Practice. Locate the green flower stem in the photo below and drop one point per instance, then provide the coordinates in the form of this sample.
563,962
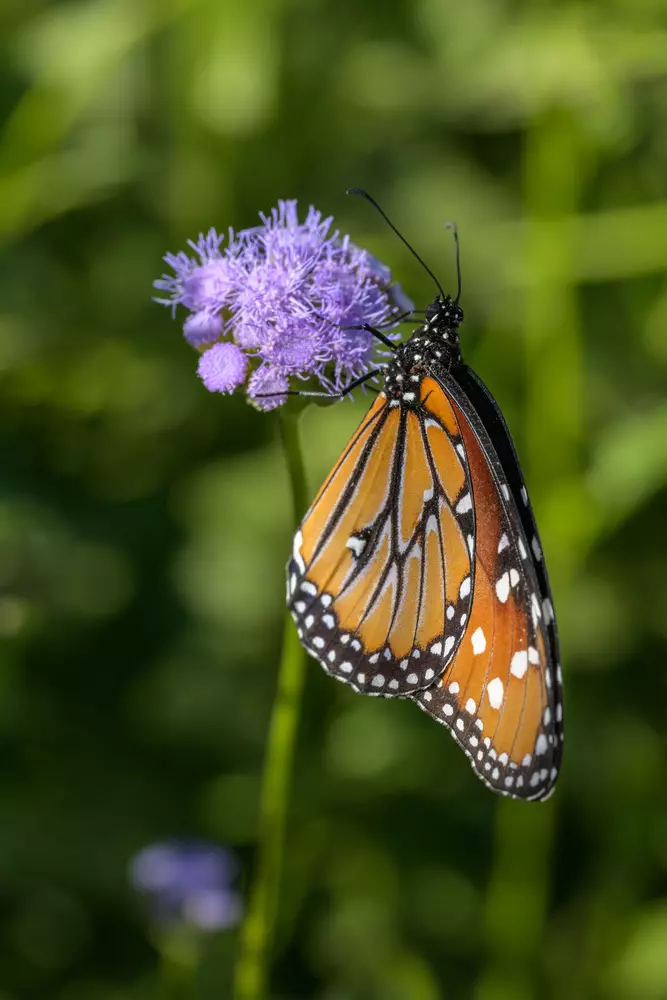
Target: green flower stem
252,968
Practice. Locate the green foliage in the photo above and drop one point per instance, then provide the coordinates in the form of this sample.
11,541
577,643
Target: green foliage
144,523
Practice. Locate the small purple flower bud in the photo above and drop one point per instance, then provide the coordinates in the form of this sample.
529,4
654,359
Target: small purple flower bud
263,383
222,368
202,328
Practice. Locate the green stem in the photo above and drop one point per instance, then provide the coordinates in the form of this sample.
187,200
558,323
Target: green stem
252,967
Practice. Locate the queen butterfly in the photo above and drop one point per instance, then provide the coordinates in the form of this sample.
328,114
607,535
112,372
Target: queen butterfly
418,570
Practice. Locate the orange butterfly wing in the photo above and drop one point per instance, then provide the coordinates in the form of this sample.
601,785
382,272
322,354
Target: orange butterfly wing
501,694
381,580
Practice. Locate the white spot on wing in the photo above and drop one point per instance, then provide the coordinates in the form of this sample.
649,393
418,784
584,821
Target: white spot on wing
464,504
495,691
519,663
478,640
503,588
357,545
535,609
296,551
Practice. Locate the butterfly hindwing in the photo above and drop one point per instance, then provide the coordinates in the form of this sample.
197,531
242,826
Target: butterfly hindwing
501,694
381,577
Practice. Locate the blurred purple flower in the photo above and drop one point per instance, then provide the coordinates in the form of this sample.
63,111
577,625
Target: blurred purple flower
188,882
283,293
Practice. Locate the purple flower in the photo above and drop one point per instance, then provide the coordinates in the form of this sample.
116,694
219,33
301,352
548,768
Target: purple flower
282,295
202,328
222,368
188,882
264,385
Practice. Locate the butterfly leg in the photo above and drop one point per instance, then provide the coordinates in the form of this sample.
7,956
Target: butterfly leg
327,395
376,333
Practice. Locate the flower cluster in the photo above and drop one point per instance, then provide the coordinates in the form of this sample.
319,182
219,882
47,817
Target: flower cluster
189,883
280,300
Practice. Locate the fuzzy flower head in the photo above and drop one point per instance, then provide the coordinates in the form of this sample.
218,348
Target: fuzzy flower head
277,302
188,883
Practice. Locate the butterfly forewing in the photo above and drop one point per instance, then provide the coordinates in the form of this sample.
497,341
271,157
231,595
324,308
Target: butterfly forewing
382,573
501,694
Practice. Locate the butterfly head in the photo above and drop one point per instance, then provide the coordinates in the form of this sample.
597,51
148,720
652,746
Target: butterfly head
444,313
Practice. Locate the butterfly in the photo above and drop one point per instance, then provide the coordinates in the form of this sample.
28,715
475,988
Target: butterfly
418,570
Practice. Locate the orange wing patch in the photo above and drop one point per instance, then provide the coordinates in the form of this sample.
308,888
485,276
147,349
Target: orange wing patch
370,432
380,582
496,695
417,481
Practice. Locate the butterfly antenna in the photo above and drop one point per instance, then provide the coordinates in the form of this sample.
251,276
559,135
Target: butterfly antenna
452,226
365,194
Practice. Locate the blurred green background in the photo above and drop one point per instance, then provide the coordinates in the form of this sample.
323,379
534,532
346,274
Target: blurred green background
144,523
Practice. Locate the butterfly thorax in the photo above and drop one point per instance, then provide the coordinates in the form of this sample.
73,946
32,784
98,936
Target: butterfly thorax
432,345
